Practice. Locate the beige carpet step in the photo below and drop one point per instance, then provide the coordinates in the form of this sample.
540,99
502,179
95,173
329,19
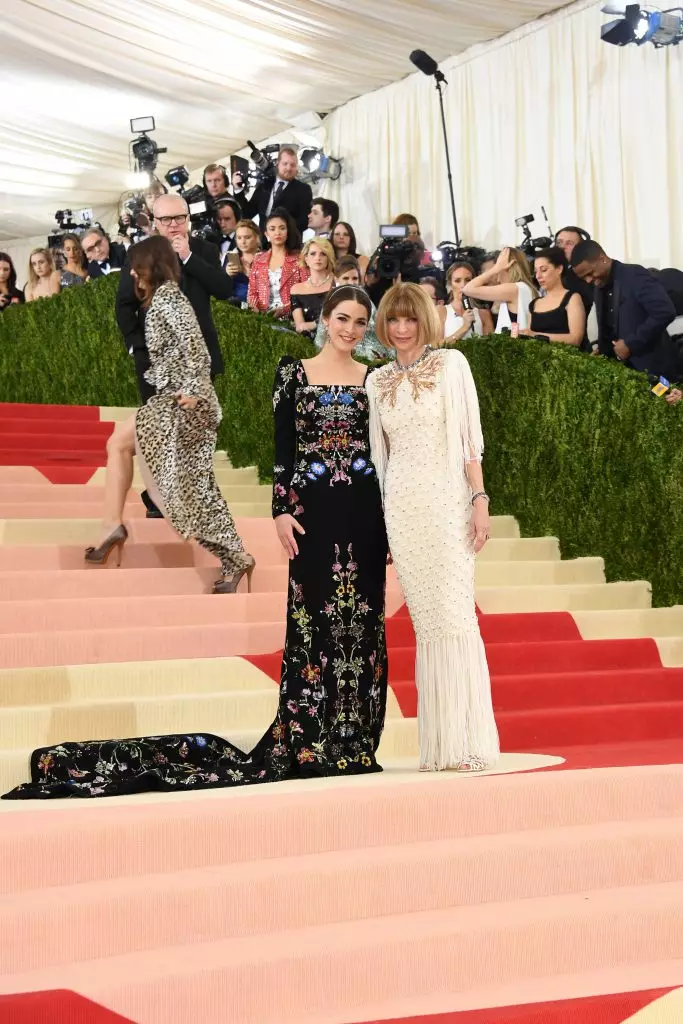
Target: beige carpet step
567,597
76,531
670,650
527,549
640,622
162,714
134,680
521,573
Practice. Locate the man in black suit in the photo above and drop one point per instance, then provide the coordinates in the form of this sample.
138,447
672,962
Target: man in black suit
633,311
201,277
285,192
103,256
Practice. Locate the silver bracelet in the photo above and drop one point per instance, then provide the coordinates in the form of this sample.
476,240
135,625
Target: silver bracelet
480,494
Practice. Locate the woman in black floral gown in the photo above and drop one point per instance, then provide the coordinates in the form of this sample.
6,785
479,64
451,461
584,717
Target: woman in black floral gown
328,515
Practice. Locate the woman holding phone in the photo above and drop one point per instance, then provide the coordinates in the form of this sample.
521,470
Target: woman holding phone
238,266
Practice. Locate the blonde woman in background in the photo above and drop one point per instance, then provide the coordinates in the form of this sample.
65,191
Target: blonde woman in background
239,261
427,446
308,297
43,279
462,319
74,270
508,282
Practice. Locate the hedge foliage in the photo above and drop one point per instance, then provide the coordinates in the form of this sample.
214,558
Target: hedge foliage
576,445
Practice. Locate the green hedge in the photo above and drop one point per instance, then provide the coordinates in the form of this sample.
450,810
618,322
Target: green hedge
576,446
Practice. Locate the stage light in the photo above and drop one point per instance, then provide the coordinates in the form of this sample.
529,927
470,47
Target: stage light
636,24
138,179
314,164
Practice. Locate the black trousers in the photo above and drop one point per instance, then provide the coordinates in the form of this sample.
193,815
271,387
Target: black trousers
141,365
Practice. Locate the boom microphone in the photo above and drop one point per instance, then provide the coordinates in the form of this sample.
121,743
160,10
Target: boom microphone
426,64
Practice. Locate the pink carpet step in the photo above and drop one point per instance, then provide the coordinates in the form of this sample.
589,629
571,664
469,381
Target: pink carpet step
140,643
166,555
65,510
210,904
132,611
95,582
396,955
21,427
106,839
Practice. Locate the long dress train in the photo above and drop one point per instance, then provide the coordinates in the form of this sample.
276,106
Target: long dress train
424,427
334,671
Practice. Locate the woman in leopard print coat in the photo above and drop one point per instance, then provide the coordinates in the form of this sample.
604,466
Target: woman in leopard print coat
174,434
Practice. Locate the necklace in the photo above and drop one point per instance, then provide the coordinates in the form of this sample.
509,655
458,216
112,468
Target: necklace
317,284
400,368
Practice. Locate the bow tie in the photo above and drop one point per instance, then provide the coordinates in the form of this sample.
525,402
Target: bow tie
104,263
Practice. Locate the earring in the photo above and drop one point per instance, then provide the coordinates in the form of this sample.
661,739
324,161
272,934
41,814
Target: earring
324,335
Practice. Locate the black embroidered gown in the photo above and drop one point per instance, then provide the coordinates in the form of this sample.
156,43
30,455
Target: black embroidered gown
334,670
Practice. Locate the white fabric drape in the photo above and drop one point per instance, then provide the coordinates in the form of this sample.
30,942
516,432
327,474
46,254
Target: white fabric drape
213,72
549,115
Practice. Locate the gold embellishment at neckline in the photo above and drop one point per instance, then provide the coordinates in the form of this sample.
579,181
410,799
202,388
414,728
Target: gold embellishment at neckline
422,377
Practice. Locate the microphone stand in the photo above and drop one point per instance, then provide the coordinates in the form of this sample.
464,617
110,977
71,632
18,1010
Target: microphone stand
440,82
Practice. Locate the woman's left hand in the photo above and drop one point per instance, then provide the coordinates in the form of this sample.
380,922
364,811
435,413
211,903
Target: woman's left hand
481,524
186,401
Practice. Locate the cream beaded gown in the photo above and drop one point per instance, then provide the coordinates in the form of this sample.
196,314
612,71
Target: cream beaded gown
424,428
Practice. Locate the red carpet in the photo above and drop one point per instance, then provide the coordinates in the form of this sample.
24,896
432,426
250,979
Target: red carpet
58,1007
65,443
613,1009
553,691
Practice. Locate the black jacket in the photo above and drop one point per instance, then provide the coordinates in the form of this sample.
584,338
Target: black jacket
642,311
296,199
117,258
200,278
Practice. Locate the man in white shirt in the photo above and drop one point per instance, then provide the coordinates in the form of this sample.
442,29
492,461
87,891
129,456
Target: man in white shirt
227,214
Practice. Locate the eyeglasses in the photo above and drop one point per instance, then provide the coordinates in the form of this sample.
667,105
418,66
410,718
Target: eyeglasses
96,245
179,218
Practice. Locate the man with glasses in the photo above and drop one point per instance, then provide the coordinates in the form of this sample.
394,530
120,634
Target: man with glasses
103,256
201,277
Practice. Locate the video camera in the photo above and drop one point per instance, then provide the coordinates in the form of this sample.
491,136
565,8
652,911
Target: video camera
68,225
199,203
396,254
448,253
531,246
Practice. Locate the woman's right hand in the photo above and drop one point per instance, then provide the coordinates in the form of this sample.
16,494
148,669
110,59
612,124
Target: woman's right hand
468,318
504,261
285,526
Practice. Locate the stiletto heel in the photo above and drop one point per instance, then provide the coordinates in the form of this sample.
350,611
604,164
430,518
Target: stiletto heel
114,543
229,584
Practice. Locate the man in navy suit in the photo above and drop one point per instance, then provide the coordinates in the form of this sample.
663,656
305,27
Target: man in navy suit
633,311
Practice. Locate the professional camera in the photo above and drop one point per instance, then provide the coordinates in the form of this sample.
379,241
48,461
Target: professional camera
448,253
530,246
396,254
199,204
145,150
134,220
264,160
67,223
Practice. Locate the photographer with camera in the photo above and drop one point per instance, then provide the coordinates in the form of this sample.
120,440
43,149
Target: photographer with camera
215,181
396,259
201,277
282,191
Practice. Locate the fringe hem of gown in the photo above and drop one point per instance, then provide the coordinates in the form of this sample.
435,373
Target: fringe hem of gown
455,712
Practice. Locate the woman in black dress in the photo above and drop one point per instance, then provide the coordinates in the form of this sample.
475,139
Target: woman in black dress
328,516
559,314
308,297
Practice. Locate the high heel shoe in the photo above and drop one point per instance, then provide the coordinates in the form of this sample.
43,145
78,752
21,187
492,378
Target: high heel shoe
229,584
113,543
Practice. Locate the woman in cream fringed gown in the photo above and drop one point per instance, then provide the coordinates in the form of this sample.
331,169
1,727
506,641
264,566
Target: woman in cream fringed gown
427,446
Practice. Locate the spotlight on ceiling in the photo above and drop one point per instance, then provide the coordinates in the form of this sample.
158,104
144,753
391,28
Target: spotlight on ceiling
314,164
637,25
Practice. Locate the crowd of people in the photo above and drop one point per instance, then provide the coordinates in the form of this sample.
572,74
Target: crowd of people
353,478
283,250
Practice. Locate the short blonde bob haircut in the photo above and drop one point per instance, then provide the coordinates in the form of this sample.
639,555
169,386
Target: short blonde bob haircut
326,247
409,300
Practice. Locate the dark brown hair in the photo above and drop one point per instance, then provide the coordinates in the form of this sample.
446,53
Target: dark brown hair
12,279
346,293
406,219
155,262
346,263
70,237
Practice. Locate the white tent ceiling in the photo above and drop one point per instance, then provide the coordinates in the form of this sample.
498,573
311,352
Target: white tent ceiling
212,72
